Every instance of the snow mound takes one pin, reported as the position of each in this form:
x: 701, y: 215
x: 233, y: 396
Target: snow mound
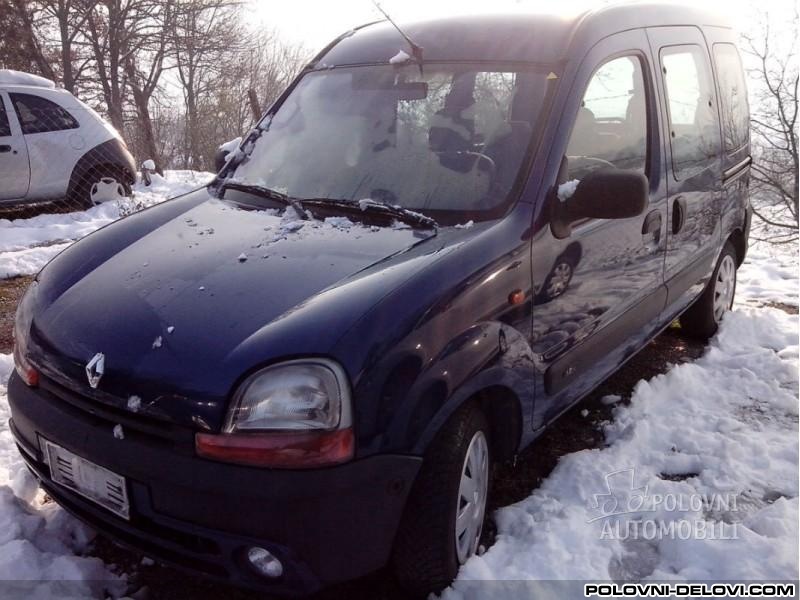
x: 709, y: 449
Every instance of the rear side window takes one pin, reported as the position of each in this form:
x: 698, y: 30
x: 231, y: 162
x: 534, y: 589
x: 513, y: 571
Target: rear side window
x: 611, y: 127
x: 694, y: 132
x: 733, y: 92
x: 37, y: 115
x: 5, y: 128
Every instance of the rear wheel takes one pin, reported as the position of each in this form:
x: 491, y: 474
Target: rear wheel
x: 446, y: 509
x: 701, y: 320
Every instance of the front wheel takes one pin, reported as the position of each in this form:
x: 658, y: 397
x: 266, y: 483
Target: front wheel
x: 446, y: 509
x: 701, y: 320
x: 102, y: 184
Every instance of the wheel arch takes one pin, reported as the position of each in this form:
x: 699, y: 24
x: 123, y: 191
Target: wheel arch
x: 738, y: 240
x: 111, y: 156
x: 573, y: 251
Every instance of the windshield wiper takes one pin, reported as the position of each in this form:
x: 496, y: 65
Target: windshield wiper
x: 267, y: 193
x: 398, y: 212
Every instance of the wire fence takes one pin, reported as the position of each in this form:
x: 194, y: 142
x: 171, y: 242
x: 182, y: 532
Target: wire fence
x: 58, y: 155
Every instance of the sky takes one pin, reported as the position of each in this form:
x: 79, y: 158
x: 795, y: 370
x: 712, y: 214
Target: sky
x: 314, y: 23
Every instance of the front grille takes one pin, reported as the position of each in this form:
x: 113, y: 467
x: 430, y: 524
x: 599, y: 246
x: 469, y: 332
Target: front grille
x: 101, y: 414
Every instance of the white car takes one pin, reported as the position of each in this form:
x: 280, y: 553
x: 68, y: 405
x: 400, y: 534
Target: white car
x: 54, y: 147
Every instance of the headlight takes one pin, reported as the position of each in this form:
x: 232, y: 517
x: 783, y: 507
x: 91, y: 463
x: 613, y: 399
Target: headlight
x: 22, y: 330
x: 295, y: 414
x: 297, y: 395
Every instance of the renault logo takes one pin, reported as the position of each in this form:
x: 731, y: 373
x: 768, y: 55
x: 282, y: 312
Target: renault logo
x: 95, y: 369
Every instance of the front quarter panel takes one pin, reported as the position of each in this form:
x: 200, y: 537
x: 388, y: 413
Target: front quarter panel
x: 446, y: 334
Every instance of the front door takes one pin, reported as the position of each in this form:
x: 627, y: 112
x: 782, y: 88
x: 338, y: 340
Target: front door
x: 15, y: 172
x: 695, y: 171
x: 600, y: 289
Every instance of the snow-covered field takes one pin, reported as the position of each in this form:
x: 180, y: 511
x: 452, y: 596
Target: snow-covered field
x: 698, y: 480
x: 26, y: 245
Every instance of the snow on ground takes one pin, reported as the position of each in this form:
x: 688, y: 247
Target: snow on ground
x: 26, y: 245
x: 699, y: 478
x: 40, y: 544
x: 768, y: 275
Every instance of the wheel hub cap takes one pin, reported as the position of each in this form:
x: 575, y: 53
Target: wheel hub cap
x: 724, y: 287
x: 472, y: 491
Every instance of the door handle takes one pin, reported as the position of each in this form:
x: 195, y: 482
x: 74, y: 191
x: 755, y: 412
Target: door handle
x: 652, y: 225
x: 678, y: 214
x: 5, y: 148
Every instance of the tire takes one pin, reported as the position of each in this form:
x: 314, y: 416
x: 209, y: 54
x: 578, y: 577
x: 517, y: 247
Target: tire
x: 701, y: 320
x: 427, y: 550
x: 99, y: 185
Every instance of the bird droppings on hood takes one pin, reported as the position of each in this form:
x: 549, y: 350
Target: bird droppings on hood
x: 118, y: 432
x: 202, y: 288
x: 170, y: 329
x: 145, y: 264
x: 157, y: 342
x: 134, y: 403
x: 242, y: 257
x: 466, y: 225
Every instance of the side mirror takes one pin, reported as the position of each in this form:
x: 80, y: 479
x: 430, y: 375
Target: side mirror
x: 602, y: 194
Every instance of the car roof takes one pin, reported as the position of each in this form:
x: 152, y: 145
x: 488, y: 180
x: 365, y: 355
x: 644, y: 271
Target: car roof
x: 10, y: 77
x: 542, y: 37
x: 57, y: 95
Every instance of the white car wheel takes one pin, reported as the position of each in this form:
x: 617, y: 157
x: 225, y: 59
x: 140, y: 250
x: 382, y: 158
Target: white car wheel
x: 106, y: 190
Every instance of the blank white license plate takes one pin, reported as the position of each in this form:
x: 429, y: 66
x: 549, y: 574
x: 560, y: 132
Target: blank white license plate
x: 91, y: 481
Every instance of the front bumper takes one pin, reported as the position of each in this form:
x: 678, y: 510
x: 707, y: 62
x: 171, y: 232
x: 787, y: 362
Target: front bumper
x: 324, y: 525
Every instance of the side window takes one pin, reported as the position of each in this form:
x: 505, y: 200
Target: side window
x: 733, y: 91
x: 611, y: 127
x: 5, y: 128
x: 37, y: 115
x: 694, y: 132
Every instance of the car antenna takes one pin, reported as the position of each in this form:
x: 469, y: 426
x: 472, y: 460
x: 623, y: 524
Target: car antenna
x: 416, y: 50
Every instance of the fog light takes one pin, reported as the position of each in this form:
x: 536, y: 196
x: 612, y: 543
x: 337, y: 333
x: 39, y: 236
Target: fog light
x: 264, y: 562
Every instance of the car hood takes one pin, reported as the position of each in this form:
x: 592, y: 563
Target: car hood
x: 180, y: 309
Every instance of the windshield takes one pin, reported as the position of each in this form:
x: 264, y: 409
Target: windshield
x: 448, y: 142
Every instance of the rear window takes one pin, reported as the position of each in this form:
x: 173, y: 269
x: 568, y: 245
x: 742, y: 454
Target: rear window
x: 694, y: 132
x: 37, y: 115
x: 733, y: 92
x: 5, y: 128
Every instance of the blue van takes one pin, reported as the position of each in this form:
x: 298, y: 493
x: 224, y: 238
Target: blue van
x: 435, y: 242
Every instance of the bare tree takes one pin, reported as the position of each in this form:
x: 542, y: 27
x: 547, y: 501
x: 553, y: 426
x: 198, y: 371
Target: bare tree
x: 20, y: 47
x: 144, y: 70
x: 206, y: 33
x: 68, y: 18
x: 774, y: 114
